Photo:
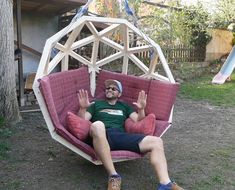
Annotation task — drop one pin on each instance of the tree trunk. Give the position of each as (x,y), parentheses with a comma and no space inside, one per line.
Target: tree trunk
(8,100)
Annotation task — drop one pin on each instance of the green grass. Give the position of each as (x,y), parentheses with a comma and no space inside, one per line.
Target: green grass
(5,133)
(202,89)
(11,184)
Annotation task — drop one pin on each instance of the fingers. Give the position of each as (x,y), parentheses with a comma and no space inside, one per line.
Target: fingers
(82,94)
(142,95)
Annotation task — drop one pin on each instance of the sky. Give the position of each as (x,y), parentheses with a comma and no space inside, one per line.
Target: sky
(204,2)
(209,4)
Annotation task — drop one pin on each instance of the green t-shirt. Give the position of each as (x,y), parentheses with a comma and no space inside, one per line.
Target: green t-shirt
(113,116)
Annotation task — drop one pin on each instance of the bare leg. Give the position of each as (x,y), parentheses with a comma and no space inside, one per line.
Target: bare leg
(101,146)
(154,145)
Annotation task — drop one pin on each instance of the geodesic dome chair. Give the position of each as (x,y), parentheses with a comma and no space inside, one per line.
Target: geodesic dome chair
(56,88)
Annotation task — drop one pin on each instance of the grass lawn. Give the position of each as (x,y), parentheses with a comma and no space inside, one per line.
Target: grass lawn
(202,89)
(4,134)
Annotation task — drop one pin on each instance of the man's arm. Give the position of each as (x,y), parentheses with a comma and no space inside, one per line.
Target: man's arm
(84,114)
(84,103)
(140,104)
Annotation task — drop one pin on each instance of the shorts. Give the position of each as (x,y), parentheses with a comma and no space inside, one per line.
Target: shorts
(120,140)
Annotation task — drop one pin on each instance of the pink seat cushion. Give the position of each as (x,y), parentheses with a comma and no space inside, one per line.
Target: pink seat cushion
(79,127)
(145,126)
(161,127)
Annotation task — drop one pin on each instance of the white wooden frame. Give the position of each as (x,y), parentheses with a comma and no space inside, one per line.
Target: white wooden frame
(47,64)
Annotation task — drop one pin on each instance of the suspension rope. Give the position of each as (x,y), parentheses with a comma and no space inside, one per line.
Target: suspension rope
(83,10)
(131,13)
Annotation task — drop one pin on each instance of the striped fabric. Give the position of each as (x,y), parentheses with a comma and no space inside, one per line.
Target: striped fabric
(161,98)
(60,94)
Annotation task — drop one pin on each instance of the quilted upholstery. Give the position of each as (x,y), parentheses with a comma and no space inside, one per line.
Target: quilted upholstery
(60,94)
(60,91)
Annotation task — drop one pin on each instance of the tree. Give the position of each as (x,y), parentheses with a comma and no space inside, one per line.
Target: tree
(8,101)
(172,24)
(195,21)
(108,8)
(224,13)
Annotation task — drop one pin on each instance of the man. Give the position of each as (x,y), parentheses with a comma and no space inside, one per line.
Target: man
(107,133)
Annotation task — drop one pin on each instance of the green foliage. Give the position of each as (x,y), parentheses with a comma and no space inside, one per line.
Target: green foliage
(194,22)
(166,26)
(224,14)
(187,25)
(203,89)
(135,5)
(233,40)
(108,8)
(2,122)
(4,148)
(4,134)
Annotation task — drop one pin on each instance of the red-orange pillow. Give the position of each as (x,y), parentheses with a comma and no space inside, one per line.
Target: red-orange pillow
(145,126)
(78,126)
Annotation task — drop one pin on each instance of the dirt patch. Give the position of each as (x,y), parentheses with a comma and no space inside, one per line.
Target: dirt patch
(200,150)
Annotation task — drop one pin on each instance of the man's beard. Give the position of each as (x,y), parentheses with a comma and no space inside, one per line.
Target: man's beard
(111,98)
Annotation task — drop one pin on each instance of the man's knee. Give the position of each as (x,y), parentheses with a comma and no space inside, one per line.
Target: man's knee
(97,129)
(150,142)
(158,142)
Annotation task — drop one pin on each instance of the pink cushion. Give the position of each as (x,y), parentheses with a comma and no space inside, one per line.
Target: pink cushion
(145,126)
(78,126)
(63,88)
(161,127)
(60,95)
(161,98)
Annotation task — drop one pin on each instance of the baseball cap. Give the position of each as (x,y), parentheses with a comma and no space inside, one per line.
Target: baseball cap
(117,83)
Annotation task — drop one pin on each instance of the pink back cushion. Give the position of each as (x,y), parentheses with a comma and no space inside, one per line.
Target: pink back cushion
(161,98)
(161,95)
(64,87)
(60,94)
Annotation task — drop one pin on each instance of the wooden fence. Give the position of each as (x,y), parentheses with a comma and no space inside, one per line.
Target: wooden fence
(174,54)
(181,53)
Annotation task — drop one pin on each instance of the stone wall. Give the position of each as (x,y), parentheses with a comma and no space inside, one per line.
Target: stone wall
(185,71)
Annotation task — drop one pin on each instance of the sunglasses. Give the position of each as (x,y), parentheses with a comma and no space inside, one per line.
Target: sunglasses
(111,88)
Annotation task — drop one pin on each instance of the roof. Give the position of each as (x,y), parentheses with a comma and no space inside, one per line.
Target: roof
(50,7)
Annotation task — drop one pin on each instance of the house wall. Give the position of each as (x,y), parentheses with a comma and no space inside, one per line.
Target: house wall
(221,44)
(35,31)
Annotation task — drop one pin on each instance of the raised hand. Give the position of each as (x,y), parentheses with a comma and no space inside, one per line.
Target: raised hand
(83,99)
(141,101)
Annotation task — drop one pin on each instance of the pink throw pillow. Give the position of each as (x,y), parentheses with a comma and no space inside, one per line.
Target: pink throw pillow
(145,126)
(78,126)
